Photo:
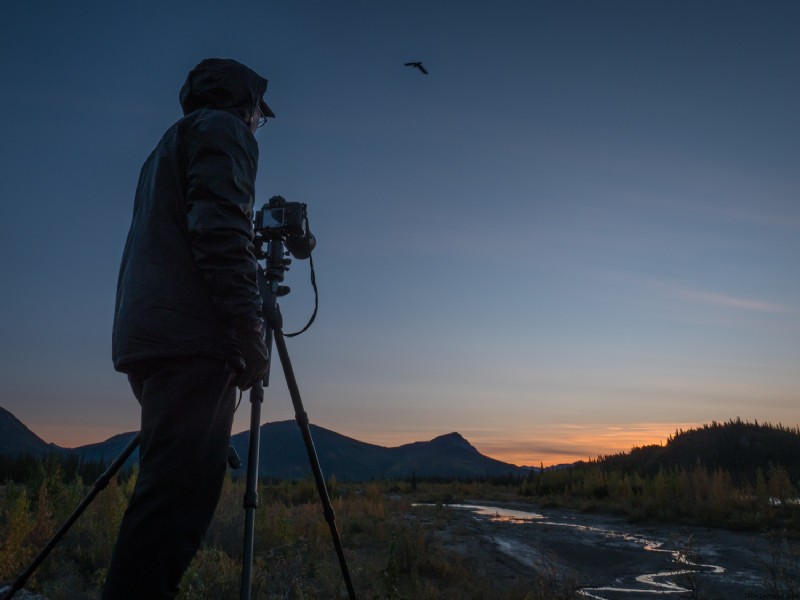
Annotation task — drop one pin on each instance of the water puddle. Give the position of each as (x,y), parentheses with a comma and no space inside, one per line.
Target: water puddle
(660,583)
(502,515)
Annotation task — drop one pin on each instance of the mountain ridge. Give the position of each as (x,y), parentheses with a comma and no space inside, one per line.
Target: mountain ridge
(16,437)
(283,454)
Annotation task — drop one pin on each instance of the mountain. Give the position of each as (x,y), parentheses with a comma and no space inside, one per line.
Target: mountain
(15,438)
(107,451)
(283,454)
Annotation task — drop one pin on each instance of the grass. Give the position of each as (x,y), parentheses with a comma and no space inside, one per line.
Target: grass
(394,551)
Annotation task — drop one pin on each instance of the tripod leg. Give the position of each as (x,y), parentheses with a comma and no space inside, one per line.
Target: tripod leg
(99,486)
(302,420)
(251,491)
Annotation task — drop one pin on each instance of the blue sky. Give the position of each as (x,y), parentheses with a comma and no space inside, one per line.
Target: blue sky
(577,233)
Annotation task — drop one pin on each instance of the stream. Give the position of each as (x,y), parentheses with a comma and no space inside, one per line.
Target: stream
(615,560)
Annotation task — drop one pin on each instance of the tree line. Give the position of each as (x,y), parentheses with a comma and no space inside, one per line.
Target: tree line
(734,474)
(30,470)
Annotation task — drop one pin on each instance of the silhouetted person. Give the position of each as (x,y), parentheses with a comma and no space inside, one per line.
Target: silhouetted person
(187,323)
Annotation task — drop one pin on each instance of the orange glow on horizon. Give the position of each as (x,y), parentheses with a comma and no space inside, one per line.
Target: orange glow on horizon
(568,443)
(546,445)
(74,437)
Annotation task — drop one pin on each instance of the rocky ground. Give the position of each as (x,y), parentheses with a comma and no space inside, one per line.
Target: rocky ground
(606,557)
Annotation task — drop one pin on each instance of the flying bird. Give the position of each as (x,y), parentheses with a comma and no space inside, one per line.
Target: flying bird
(417,65)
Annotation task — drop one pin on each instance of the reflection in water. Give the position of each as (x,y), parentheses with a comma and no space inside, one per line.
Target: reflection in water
(502,515)
(653,583)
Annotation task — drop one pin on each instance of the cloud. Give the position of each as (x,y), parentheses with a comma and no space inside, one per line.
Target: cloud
(728,301)
(699,296)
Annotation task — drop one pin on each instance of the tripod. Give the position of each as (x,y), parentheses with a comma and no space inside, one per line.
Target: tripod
(268,283)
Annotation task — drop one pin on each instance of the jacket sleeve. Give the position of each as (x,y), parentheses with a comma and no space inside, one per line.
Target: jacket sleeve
(221,169)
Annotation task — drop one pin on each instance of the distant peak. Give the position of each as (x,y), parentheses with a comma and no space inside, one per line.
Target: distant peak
(453,439)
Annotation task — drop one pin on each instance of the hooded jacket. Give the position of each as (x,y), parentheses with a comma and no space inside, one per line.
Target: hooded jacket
(188,278)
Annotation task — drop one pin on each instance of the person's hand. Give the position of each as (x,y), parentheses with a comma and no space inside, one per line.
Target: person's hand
(255,359)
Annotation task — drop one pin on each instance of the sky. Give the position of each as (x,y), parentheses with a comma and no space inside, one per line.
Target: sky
(577,234)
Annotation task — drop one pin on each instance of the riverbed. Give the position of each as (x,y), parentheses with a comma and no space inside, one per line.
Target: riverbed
(604,557)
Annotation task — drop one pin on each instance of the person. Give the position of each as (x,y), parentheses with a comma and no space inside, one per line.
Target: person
(188,328)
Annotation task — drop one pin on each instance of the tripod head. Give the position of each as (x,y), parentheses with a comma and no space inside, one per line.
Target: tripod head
(277,262)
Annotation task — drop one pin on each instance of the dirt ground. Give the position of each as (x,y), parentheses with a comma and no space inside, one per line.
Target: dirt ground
(605,557)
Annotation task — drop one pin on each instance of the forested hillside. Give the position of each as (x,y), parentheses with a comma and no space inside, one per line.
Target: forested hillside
(736,474)
(738,447)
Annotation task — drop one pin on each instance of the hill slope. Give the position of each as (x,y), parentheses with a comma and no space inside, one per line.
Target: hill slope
(737,447)
(16,438)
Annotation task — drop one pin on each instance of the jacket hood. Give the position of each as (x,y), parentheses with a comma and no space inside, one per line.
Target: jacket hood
(224,84)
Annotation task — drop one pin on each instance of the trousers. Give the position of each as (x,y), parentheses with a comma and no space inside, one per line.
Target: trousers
(186,419)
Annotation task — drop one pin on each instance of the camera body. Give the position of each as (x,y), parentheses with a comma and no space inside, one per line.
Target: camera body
(279,218)
(286,222)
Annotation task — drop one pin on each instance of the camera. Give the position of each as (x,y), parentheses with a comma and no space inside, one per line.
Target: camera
(287,222)
(279,217)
